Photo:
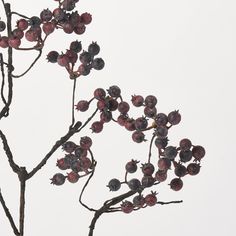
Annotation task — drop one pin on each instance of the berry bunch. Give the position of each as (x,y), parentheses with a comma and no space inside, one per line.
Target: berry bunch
(31,28)
(76,160)
(86,59)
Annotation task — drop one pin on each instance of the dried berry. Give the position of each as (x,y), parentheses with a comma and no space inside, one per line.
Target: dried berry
(131,166)
(193,168)
(137,100)
(72,177)
(127,206)
(114,184)
(150,101)
(198,152)
(58,179)
(176,184)
(134,184)
(174,117)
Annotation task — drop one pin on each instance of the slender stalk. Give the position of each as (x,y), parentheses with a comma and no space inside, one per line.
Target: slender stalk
(9,216)
(73,103)
(150,148)
(22,206)
(3,79)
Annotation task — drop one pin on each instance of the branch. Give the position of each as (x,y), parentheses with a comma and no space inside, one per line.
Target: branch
(8,214)
(150,148)
(3,79)
(73,103)
(165,203)
(8,152)
(32,64)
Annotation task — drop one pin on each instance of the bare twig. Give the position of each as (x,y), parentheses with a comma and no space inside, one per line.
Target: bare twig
(22,207)
(150,148)
(165,203)
(32,64)
(73,103)
(3,79)
(8,214)
(8,152)
(18,14)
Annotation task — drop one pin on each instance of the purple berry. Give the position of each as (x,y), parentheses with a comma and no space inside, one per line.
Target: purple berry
(138,136)
(58,179)
(131,166)
(174,117)
(82,106)
(137,100)
(97,126)
(123,107)
(114,91)
(176,184)
(114,184)
(198,152)
(150,101)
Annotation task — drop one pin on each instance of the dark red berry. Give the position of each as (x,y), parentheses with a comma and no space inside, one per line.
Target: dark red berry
(79,29)
(68,27)
(164,164)
(198,152)
(123,107)
(176,184)
(106,116)
(22,24)
(97,126)
(138,136)
(69,146)
(127,206)
(18,33)
(93,48)
(46,15)
(114,91)
(86,18)
(101,105)
(131,166)
(4,42)
(114,184)
(161,175)
(14,42)
(137,100)
(150,112)
(193,168)
(68,5)
(63,60)
(121,119)
(130,124)
(58,179)
(98,63)
(84,69)
(151,199)
(147,181)
(161,119)
(73,56)
(48,27)
(85,163)
(52,56)
(31,35)
(72,177)
(59,14)
(62,164)
(141,123)
(174,117)
(147,168)
(99,94)
(86,142)
(76,46)
(185,144)
(150,101)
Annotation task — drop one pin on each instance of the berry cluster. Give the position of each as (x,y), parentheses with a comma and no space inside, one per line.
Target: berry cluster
(63,17)
(86,59)
(76,160)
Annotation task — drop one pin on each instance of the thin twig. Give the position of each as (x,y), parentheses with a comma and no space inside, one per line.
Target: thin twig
(150,148)
(3,79)
(18,14)
(73,103)
(8,152)
(8,214)
(32,64)
(165,203)
(22,207)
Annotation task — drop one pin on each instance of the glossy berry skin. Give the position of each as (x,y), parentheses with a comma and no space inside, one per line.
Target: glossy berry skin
(22,24)
(86,18)
(198,152)
(138,136)
(174,117)
(97,127)
(137,100)
(148,169)
(58,179)
(134,184)
(2,25)
(72,177)
(161,143)
(147,181)
(131,166)
(123,107)
(193,168)
(170,152)
(52,56)
(98,63)
(164,164)
(82,106)
(176,184)
(99,94)
(93,48)
(150,101)
(127,207)
(69,146)
(161,175)
(139,201)
(86,142)
(185,144)
(185,156)
(151,199)
(114,184)
(76,46)
(114,91)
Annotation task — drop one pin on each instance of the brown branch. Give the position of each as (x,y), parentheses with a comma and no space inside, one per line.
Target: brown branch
(8,152)
(58,143)
(8,214)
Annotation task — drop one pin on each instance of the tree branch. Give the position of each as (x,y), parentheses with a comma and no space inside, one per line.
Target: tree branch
(150,148)
(8,214)
(3,79)
(165,203)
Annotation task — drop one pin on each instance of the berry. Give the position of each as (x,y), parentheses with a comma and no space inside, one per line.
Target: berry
(130,124)
(97,126)
(63,60)
(114,184)
(131,166)
(14,42)
(134,184)
(137,100)
(174,117)
(85,57)
(58,179)
(180,170)
(147,168)
(46,15)
(150,101)
(76,46)
(185,144)
(85,163)
(68,5)
(138,136)
(99,94)
(86,18)
(147,181)
(2,26)
(59,14)
(121,119)
(127,206)
(185,156)
(139,201)
(150,112)
(151,199)
(164,164)
(106,116)
(74,18)
(72,56)
(22,24)
(101,105)
(48,27)
(93,48)
(69,146)
(161,119)
(123,107)
(4,42)
(176,184)
(193,168)
(198,152)
(31,35)
(70,159)
(80,152)
(141,123)
(114,91)
(98,63)
(161,131)
(161,175)
(79,29)
(52,56)
(86,142)
(68,28)
(62,164)
(170,152)
(35,21)
(161,143)
(84,69)
(18,33)
(72,177)
(112,104)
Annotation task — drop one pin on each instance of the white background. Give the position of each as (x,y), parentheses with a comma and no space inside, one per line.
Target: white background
(181,51)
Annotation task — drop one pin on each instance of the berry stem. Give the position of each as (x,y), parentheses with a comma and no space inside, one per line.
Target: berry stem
(8,214)
(3,79)
(18,14)
(150,148)
(165,203)
(73,102)
(22,206)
